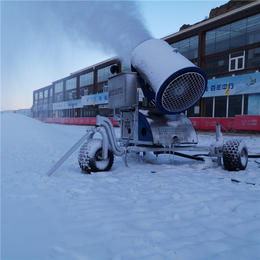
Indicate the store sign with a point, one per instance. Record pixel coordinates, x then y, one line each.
237 85
68 104
96 99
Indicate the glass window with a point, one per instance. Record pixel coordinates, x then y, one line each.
236 61
71 83
101 88
190 112
105 112
235 105
238 34
175 45
41 95
210 42
36 96
58 97
125 66
220 106
217 65
222 38
188 47
245 111
253 29
86 91
184 47
208 107
86 79
104 73
253 58
58 87
71 95
194 43
51 92
46 93
253 104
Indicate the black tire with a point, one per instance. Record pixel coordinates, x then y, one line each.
235 155
90 154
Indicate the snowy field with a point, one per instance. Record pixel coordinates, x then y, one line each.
155 209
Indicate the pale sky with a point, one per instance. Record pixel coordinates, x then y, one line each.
43 41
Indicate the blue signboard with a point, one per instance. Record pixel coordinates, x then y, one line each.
96 99
67 104
237 85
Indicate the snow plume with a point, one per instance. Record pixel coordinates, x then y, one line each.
113 26
43 41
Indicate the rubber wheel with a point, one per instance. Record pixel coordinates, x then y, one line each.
235 155
90 155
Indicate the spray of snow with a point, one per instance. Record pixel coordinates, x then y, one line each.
113 26
43 41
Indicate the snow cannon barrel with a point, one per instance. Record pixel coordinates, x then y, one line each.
174 82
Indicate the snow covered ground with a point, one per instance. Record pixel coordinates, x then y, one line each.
155 209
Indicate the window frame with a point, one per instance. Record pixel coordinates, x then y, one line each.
236 59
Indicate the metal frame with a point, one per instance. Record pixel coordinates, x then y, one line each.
105 127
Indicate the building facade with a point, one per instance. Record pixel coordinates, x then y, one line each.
226 47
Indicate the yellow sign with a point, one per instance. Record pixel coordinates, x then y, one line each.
227 91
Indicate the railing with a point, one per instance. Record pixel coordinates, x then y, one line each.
247 123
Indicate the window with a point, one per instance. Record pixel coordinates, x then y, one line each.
71 83
100 88
237 34
253 29
234 105
86 91
253 58
46 93
86 79
41 95
51 92
217 65
208 107
36 96
245 110
236 61
58 97
104 74
222 38
253 104
105 112
184 47
210 42
220 106
58 87
125 66
188 47
71 95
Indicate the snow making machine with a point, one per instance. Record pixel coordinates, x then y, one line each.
169 84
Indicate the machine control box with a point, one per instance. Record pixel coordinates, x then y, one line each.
122 90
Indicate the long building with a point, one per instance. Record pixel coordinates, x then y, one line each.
226 47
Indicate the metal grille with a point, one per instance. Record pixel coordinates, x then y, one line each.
183 92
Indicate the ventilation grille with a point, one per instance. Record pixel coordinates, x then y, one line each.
183 92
